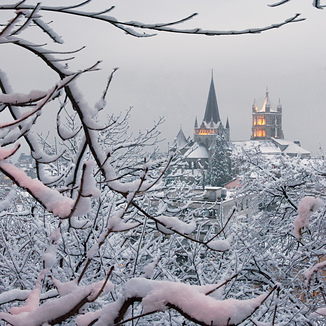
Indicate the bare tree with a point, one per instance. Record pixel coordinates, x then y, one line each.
82 242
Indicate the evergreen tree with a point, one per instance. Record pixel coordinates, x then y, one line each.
219 171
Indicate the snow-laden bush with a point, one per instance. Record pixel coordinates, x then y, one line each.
86 236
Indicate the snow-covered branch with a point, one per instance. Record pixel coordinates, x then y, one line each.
130 27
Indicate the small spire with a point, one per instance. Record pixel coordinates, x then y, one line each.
227 125
212 123
254 106
196 123
279 106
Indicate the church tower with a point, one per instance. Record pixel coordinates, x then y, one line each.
211 125
266 123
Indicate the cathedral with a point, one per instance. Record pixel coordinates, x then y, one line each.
266 123
212 124
198 153
211 138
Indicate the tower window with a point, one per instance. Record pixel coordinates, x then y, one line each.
259 132
259 120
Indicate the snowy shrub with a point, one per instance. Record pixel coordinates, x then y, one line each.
81 239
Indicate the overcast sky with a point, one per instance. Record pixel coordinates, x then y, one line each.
169 75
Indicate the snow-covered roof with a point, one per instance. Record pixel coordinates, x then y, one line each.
271 147
197 151
291 148
268 149
264 146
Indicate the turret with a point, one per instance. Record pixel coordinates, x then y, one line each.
254 106
279 106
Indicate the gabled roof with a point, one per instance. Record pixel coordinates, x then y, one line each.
181 139
271 146
290 148
211 112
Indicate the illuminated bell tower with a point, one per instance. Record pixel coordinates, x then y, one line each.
266 123
211 125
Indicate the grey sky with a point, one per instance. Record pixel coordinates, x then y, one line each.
169 75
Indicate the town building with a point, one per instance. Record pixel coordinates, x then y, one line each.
208 155
266 122
199 151
211 125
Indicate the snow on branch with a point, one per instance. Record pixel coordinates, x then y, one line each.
307 206
220 245
49 31
52 93
129 27
190 301
308 274
33 299
57 310
22 295
279 3
315 3
41 97
19 99
51 199
87 190
172 224
9 28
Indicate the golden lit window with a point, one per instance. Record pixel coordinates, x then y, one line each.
261 133
205 132
259 120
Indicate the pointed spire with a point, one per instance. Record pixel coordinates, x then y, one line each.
196 123
227 125
211 112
